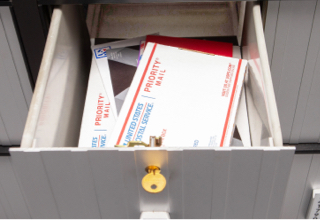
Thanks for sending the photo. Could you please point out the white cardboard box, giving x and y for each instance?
(100, 111)
(166, 99)
(98, 119)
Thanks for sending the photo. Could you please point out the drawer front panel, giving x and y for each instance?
(201, 183)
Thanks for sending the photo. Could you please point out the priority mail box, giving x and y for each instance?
(166, 98)
(100, 111)
(98, 118)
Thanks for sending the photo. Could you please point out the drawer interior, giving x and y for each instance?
(192, 19)
(56, 111)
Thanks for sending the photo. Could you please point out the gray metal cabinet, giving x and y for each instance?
(63, 181)
(230, 183)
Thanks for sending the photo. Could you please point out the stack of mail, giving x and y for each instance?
(186, 97)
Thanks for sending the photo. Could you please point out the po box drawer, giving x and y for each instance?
(63, 181)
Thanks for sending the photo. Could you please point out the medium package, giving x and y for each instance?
(188, 98)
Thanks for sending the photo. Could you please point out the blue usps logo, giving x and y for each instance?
(100, 53)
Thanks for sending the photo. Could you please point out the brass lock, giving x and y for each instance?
(153, 142)
(154, 181)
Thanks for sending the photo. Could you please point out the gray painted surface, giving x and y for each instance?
(280, 183)
(304, 178)
(197, 190)
(5, 208)
(288, 58)
(132, 195)
(35, 185)
(220, 184)
(269, 162)
(11, 190)
(292, 30)
(243, 184)
(270, 26)
(4, 139)
(75, 197)
(296, 183)
(16, 51)
(313, 182)
(2, 212)
(15, 88)
(13, 107)
(306, 126)
(108, 182)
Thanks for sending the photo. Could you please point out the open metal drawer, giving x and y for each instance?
(64, 181)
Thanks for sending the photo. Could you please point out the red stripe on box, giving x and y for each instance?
(230, 105)
(206, 46)
(136, 95)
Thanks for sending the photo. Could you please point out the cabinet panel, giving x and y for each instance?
(306, 122)
(289, 55)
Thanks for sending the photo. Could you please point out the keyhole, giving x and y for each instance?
(153, 186)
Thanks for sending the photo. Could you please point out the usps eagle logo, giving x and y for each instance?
(100, 53)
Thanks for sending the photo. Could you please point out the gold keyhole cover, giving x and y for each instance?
(154, 181)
